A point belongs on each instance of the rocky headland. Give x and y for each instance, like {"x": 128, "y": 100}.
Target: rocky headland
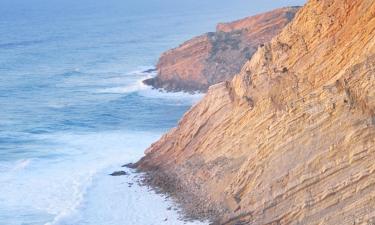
{"x": 217, "y": 56}
{"x": 291, "y": 139}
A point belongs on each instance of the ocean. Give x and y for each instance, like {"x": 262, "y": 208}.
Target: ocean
{"x": 73, "y": 108}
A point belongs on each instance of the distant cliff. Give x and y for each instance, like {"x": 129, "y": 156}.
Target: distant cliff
{"x": 291, "y": 139}
{"x": 217, "y": 56}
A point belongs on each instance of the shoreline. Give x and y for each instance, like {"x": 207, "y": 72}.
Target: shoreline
{"x": 174, "y": 86}
{"x": 193, "y": 206}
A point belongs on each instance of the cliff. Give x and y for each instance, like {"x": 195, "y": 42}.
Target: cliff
{"x": 217, "y": 56}
{"x": 291, "y": 139}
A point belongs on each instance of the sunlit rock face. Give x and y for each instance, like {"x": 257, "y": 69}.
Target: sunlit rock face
{"x": 291, "y": 139}
{"x": 217, "y": 56}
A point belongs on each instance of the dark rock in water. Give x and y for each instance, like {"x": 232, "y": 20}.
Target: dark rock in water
{"x": 150, "y": 81}
{"x": 119, "y": 173}
{"x": 130, "y": 165}
{"x": 150, "y": 70}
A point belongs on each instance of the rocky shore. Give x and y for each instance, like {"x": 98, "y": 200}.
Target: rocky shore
{"x": 194, "y": 206}
{"x": 291, "y": 139}
{"x": 217, "y": 56}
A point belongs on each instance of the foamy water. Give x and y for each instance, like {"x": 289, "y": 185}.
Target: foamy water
{"x": 152, "y": 93}
{"x": 62, "y": 176}
{"x": 74, "y": 187}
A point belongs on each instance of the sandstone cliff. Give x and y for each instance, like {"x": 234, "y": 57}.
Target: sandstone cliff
{"x": 291, "y": 140}
{"x": 217, "y": 56}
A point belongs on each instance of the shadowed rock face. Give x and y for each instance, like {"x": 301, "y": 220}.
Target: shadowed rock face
{"x": 217, "y": 56}
{"x": 291, "y": 139}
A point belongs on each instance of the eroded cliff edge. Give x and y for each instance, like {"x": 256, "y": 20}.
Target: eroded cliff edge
{"x": 291, "y": 139}
{"x": 217, "y": 56}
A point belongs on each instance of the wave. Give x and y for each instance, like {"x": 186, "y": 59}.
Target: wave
{"x": 69, "y": 214}
{"x": 138, "y": 85}
{"x": 21, "y": 164}
{"x": 71, "y": 178}
{"x": 9, "y": 167}
{"x": 21, "y": 43}
{"x": 147, "y": 91}
{"x": 135, "y": 87}
{"x": 182, "y": 97}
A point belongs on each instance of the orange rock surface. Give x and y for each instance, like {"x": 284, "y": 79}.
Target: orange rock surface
{"x": 217, "y": 56}
{"x": 291, "y": 139}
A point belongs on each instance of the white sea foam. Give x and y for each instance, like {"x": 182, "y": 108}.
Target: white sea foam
{"x": 21, "y": 164}
{"x": 69, "y": 213}
{"x": 75, "y": 188}
{"x": 134, "y": 87}
{"x": 127, "y": 203}
{"x": 9, "y": 169}
{"x": 149, "y": 92}
{"x": 182, "y": 97}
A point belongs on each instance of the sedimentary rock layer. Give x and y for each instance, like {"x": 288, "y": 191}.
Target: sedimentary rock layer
{"x": 291, "y": 140}
{"x": 217, "y": 56}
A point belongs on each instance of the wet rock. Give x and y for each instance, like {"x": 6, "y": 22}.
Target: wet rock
{"x": 119, "y": 173}
{"x": 150, "y": 70}
{"x": 130, "y": 165}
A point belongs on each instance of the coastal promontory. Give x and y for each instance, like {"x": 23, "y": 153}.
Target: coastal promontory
{"x": 217, "y": 56}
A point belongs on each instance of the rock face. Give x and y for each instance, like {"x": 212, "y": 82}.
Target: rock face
{"x": 291, "y": 140}
{"x": 218, "y": 56}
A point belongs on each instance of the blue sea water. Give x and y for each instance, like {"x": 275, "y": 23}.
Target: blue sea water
{"x": 73, "y": 107}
